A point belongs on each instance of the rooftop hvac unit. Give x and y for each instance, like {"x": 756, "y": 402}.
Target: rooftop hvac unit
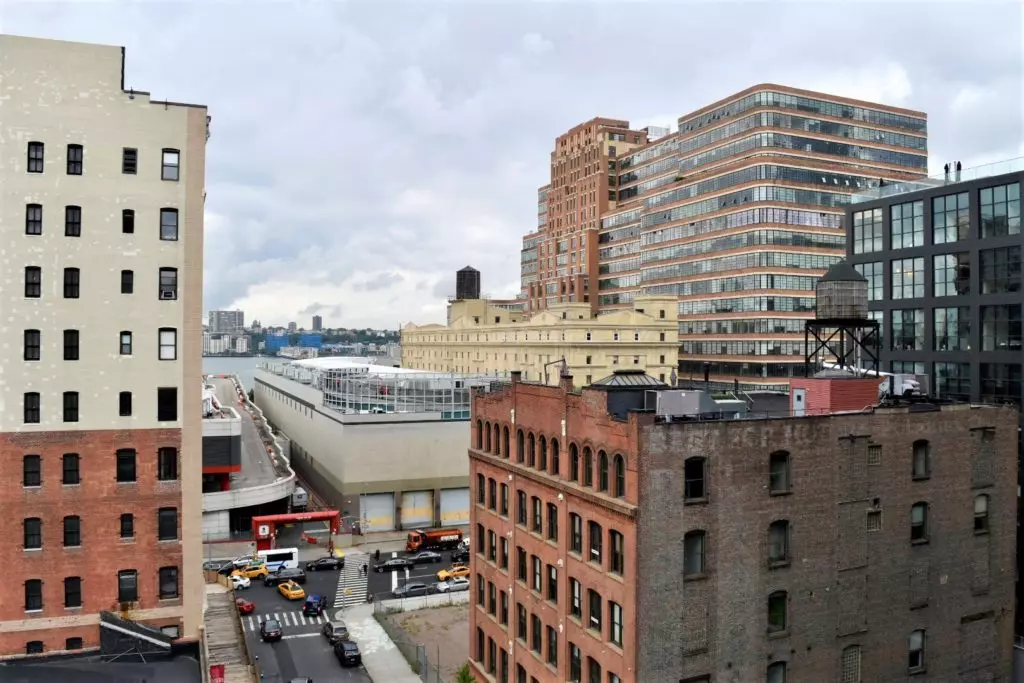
{"x": 678, "y": 403}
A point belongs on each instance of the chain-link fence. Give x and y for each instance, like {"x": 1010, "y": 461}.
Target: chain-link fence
{"x": 427, "y": 665}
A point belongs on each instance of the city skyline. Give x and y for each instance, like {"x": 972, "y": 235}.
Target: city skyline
{"x": 475, "y": 146}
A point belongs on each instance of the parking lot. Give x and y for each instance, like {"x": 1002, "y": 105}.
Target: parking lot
{"x": 381, "y": 584}
{"x": 302, "y": 650}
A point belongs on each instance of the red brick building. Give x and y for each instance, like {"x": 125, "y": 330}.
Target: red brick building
{"x": 631, "y": 532}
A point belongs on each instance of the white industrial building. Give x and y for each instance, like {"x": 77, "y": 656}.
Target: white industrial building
{"x": 387, "y": 446}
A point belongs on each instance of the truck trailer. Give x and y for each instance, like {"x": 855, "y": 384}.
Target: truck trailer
{"x": 433, "y": 539}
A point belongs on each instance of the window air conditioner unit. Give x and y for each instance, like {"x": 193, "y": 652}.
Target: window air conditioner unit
{"x": 168, "y": 295}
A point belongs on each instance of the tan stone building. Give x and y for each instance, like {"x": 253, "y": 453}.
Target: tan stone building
{"x": 482, "y": 338}
{"x": 101, "y": 220}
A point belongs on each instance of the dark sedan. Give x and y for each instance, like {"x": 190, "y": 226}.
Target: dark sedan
{"x": 282, "y": 575}
{"x": 325, "y": 563}
{"x": 270, "y": 630}
{"x": 396, "y": 564}
{"x": 411, "y": 590}
{"x": 460, "y": 555}
{"x": 425, "y": 557}
{"x": 347, "y": 653}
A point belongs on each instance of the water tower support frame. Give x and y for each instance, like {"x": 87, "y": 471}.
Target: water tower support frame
{"x": 853, "y": 342}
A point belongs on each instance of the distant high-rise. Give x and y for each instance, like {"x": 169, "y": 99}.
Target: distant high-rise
{"x": 318, "y": 323}
{"x": 467, "y": 284}
{"x": 227, "y": 322}
{"x": 292, "y": 326}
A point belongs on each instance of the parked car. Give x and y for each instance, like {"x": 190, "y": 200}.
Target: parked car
{"x": 452, "y": 572}
{"x": 459, "y": 583}
{"x": 213, "y": 565}
{"x": 410, "y": 590}
{"x": 393, "y": 565}
{"x": 347, "y": 653}
{"x": 238, "y": 582}
{"x": 425, "y": 557}
{"x": 325, "y": 563}
{"x": 282, "y": 575}
{"x": 253, "y": 570}
{"x": 315, "y": 605}
{"x": 460, "y": 555}
{"x": 244, "y": 606}
{"x": 291, "y": 590}
{"x": 334, "y": 631}
{"x": 243, "y": 560}
{"x": 270, "y": 630}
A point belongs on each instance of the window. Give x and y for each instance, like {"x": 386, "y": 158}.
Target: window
{"x": 170, "y": 159}
{"x": 481, "y": 489}
{"x": 1000, "y": 270}
{"x": 124, "y": 404}
{"x": 915, "y": 650}
{"x": 520, "y": 507}
{"x": 73, "y": 644}
{"x": 520, "y": 564}
{"x": 776, "y": 672}
{"x": 919, "y": 523}
{"x": 778, "y": 608}
{"x": 72, "y": 221}
{"x": 169, "y": 225}
{"x": 778, "y": 472}
{"x": 576, "y": 533}
{"x": 33, "y": 533}
{"x": 907, "y": 278}
{"x": 953, "y": 380}
{"x": 552, "y": 593}
{"x": 537, "y": 633}
{"x": 593, "y": 671}
{"x": 33, "y": 282}
{"x": 951, "y": 274}
{"x": 555, "y": 464}
{"x": 492, "y": 599}
{"x": 479, "y": 644}
{"x": 693, "y": 553}
{"x": 71, "y": 469}
{"x": 75, "y": 158}
{"x": 850, "y": 665}
{"x": 602, "y": 471}
{"x": 72, "y": 532}
{"x": 874, "y": 274}
{"x": 531, "y": 451}
{"x": 34, "y": 647}
{"x": 479, "y": 435}
{"x": 35, "y": 157}
{"x": 72, "y": 282}
{"x": 1001, "y": 328}
{"x": 552, "y": 646}
{"x": 70, "y": 406}
{"x": 575, "y": 598}
{"x": 1001, "y": 382}
{"x": 615, "y": 617}
{"x": 538, "y": 577}
{"x": 951, "y": 329}
{"x": 907, "y": 329}
{"x": 618, "y": 552}
{"x": 574, "y": 463}
{"x": 867, "y": 231}
{"x": 166, "y": 404}
{"x": 588, "y": 467}
{"x": 922, "y": 460}
{"x": 30, "y": 405}
{"x": 33, "y": 595}
{"x": 125, "y": 465}
{"x": 594, "y": 603}
{"x": 33, "y": 219}
{"x": 503, "y": 612}
{"x": 126, "y": 343}
{"x": 552, "y": 522}
{"x": 129, "y": 161}
{"x": 1000, "y": 210}
{"x": 168, "y": 583}
{"x": 480, "y": 600}
{"x": 504, "y": 553}
{"x": 127, "y": 585}
{"x": 73, "y": 591}
{"x": 596, "y": 540}
{"x": 127, "y": 526}
{"x": 694, "y": 484}
{"x": 520, "y": 446}
{"x": 32, "y": 344}
{"x": 981, "y": 514}
{"x": 620, "y": 476}
{"x": 538, "y": 515}
{"x": 32, "y": 470}
{"x": 480, "y": 547}
{"x": 168, "y": 284}
{"x": 542, "y": 454}
{"x": 520, "y": 621}
{"x": 575, "y": 663}
{"x": 167, "y": 524}
{"x": 504, "y": 500}
{"x": 951, "y": 218}
{"x": 778, "y": 543}
{"x": 71, "y": 344}
{"x": 128, "y": 221}
{"x": 907, "y": 222}
{"x": 168, "y": 343}
{"x": 492, "y": 546}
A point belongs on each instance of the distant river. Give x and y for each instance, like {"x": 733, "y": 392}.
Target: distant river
{"x": 226, "y": 365}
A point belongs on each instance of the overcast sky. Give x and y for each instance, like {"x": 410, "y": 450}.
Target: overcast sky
{"x": 361, "y": 153}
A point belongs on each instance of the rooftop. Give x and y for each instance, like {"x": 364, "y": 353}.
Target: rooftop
{"x": 895, "y": 189}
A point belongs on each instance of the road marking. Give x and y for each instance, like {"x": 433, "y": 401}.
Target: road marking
{"x": 252, "y": 624}
{"x": 394, "y": 580}
{"x": 300, "y": 635}
{"x": 277, "y": 617}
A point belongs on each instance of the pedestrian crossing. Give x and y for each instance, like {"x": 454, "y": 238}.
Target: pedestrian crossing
{"x": 287, "y": 619}
{"x": 352, "y": 582}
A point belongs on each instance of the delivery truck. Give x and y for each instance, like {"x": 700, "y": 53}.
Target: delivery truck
{"x": 433, "y": 539}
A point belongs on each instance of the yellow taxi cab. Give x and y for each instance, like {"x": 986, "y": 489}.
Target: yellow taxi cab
{"x": 291, "y": 590}
{"x": 253, "y": 570}
{"x": 452, "y": 572}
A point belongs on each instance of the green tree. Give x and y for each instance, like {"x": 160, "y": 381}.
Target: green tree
{"x": 464, "y": 675}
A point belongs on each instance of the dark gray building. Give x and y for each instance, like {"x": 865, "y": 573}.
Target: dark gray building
{"x": 942, "y": 257}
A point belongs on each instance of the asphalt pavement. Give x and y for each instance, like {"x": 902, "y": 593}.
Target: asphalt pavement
{"x": 302, "y": 651}
{"x": 381, "y": 584}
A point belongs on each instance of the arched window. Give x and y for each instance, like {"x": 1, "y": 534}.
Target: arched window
{"x": 620, "y": 476}
{"x": 778, "y": 543}
{"x": 520, "y": 446}
{"x": 602, "y": 471}
{"x": 555, "y": 464}
{"x": 481, "y": 489}
{"x": 531, "y": 451}
{"x": 487, "y": 437}
{"x": 778, "y": 611}
{"x": 504, "y": 443}
{"x": 922, "y": 467}
{"x": 542, "y": 461}
{"x": 693, "y": 553}
{"x": 981, "y": 514}
{"x": 574, "y": 462}
{"x": 497, "y": 441}
{"x": 588, "y": 467}
{"x": 479, "y": 435}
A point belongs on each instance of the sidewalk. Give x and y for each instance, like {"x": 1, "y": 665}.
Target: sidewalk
{"x": 386, "y": 541}
{"x": 381, "y": 657}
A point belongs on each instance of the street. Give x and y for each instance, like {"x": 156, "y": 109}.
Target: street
{"x": 381, "y": 584}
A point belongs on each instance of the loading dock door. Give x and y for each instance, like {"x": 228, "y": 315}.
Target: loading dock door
{"x": 377, "y": 512}
{"x": 454, "y": 507}
{"x": 417, "y": 509}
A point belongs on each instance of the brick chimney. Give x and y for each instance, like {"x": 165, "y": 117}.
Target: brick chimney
{"x": 565, "y": 381}
{"x": 824, "y": 395}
